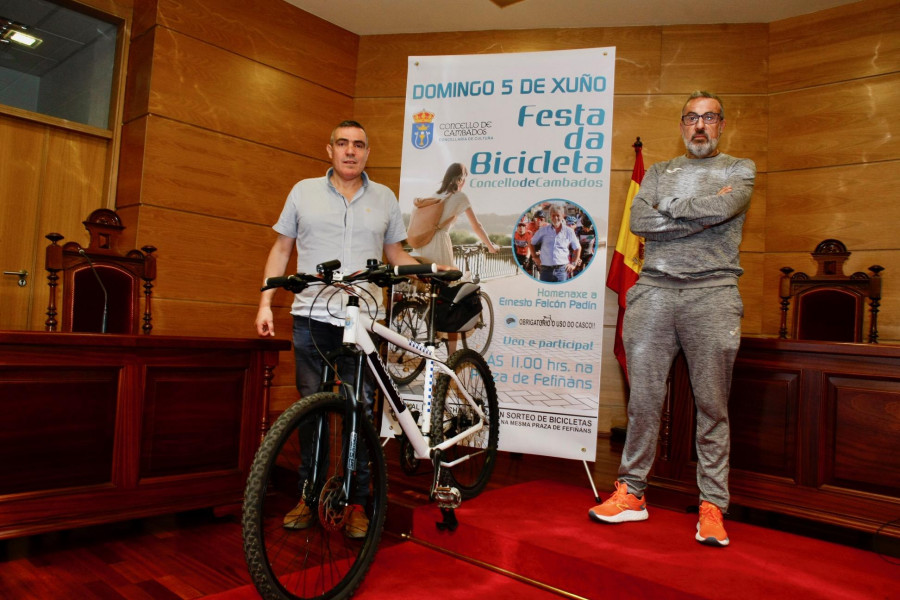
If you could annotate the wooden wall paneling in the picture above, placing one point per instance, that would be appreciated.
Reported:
(723, 59)
(746, 129)
(764, 409)
(382, 62)
(283, 396)
(383, 120)
(139, 78)
(855, 407)
(270, 32)
(838, 124)
(754, 238)
(131, 164)
(144, 17)
(239, 97)
(853, 41)
(184, 165)
(45, 444)
(214, 319)
(191, 419)
(753, 264)
(87, 471)
(853, 203)
(206, 258)
(22, 152)
(389, 176)
(130, 217)
(654, 119)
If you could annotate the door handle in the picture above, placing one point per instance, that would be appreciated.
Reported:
(22, 275)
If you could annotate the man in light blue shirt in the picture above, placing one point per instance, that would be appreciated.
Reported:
(345, 216)
(558, 245)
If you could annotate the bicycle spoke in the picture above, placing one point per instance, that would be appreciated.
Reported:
(453, 415)
(313, 555)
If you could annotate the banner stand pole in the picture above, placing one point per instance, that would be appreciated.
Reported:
(591, 479)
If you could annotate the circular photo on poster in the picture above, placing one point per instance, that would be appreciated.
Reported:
(554, 241)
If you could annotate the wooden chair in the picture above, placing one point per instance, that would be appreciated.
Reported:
(101, 284)
(829, 305)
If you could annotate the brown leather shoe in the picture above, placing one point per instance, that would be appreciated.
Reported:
(357, 524)
(300, 517)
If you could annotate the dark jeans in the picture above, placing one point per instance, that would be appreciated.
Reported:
(312, 339)
(554, 273)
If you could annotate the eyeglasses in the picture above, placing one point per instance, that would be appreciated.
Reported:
(709, 118)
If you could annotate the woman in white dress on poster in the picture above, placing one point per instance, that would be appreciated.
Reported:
(455, 202)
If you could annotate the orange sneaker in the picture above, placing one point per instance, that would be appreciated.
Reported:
(710, 528)
(620, 507)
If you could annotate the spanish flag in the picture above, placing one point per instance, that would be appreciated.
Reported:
(628, 257)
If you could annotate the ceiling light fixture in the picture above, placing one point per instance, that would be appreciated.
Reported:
(12, 32)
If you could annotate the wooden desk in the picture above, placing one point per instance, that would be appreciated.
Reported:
(97, 428)
(815, 433)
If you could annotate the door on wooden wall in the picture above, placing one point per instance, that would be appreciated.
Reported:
(60, 110)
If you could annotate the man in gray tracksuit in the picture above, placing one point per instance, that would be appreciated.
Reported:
(690, 211)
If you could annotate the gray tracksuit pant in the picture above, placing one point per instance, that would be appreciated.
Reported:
(706, 323)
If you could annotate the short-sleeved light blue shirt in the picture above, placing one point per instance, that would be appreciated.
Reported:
(555, 247)
(327, 226)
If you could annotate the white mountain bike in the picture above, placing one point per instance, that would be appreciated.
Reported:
(331, 440)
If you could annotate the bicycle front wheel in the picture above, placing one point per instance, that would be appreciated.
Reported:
(408, 320)
(479, 337)
(452, 414)
(322, 549)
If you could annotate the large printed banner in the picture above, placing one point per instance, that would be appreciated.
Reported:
(530, 134)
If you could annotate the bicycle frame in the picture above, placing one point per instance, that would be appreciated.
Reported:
(357, 327)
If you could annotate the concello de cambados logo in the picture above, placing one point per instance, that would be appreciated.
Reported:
(423, 129)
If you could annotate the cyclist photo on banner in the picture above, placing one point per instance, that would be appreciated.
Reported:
(565, 245)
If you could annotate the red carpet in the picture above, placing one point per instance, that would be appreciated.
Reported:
(409, 570)
(541, 530)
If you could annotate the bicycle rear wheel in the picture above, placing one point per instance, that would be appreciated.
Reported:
(314, 558)
(479, 337)
(452, 414)
(408, 320)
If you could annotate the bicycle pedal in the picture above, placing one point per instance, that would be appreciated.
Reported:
(447, 497)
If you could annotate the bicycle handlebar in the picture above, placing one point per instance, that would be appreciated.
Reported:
(375, 272)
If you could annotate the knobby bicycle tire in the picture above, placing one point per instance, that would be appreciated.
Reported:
(318, 561)
(408, 320)
(479, 337)
(451, 414)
